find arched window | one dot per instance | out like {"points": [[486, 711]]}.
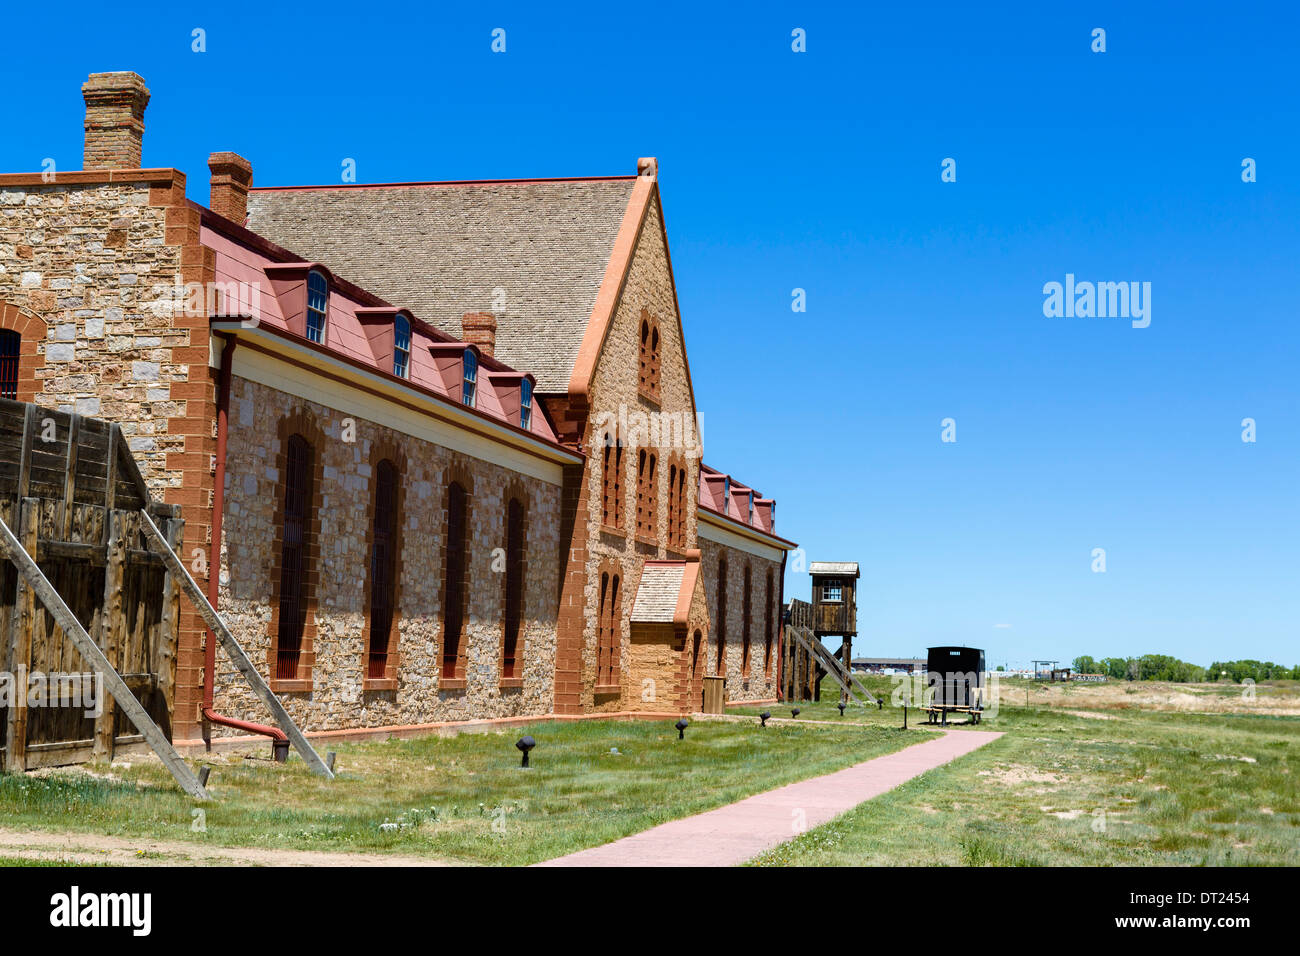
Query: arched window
{"points": [[318, 297], [646, 505], [607, 631], [677, 506], [767, 627], [746, 610], [648, 380], [10, 347], [611, 480], [469, 385], [514, 584], [401, 346], [525, 404], [453, 614], [383, 567], [295, 549], [721, 628]]}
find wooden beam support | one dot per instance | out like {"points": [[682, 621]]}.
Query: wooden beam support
{"points": [[31, 573], [20, 647], [232, 648], [164, 651], [111, 632], [70, 476]]}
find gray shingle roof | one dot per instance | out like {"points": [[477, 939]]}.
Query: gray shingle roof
{"points": [[656, 595], [833, 567], [442, 250]]}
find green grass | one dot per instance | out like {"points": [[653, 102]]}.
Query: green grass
{"points": [[1140, 788], [456, 798]]}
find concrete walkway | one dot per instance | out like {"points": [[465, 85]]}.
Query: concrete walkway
{"points": [[733, 834]]}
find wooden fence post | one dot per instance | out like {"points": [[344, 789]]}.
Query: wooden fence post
{"points": [[111, 633], [20, 649]]}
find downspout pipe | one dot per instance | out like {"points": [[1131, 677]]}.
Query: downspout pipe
{"points": [[279, 742]]}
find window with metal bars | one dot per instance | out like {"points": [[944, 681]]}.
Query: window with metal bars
{"points": [[294, 556], [514, 585], [10, 348], [721, 629], [401, 346], [746, 608], [607, 637], [318, 297], [767, 628], [383, 567], [611, 501], [453, 618]]}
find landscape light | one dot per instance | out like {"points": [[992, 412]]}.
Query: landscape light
{"points": [[204, 773], [794, 711], [764, 716], [525, 744], [841, 707], [681, 726]]}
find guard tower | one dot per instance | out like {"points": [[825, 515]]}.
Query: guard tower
{"points": [[835, 606]]}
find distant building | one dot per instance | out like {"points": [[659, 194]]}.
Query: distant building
{"points": [[889, 665]]}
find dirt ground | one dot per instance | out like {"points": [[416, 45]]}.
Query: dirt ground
{"points": [[93, 848], [1281, 699]]}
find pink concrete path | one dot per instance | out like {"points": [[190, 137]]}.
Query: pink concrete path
{"points": [[733, 834]]}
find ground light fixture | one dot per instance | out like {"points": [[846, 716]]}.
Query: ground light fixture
{"points": [[764, 717], [841, 707], [681, 725], [794, 711], [525, 744]]}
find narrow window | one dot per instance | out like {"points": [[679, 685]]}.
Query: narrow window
{"points": [[745, 626], [611, 505], [469, 386], [318, 296], [672, 506], [645, 494], [607, 631], [514, 587], [401, 345], [648, 380], [383, 567], [453, 616], [644, 370], [722, 617], [10, 346], [294, 550], [767, 628], [526, 405], [654, 362]]}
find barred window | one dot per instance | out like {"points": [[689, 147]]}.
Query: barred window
{"points": [[10, 348]]}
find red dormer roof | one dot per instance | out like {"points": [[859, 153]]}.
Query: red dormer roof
{"points": [[267, 282], [723, 495]]}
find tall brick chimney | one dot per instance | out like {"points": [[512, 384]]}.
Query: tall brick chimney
{"points": [[115, 105], [480, 328], [228, 191]]}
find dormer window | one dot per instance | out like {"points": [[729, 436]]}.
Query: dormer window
{"points": [[401, 346], [469, 383], [726, 494], [751, 509], [525, 404], [318, 296]]}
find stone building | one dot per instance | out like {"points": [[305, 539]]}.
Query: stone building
{"points": [[435, 443]]}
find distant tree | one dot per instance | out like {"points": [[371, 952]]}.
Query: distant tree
{"points": [[1115, 668], [1238, 671], [1086, 665], [1001, 667]]}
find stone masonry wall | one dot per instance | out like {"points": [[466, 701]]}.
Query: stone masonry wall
{"points": [[337, 699], [614, 386], [758, 685]]}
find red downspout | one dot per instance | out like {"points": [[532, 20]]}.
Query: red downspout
{"points": [[280, 741]]}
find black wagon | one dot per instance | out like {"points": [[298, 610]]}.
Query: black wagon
{"points": [[955, 678]]}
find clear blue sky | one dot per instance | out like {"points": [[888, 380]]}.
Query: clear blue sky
{"points": [[821, 171]]}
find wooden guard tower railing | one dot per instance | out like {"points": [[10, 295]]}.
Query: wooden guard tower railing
{"points": [[91, 557]]}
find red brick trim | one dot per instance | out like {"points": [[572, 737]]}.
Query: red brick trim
{"points": [[299, 422], [571, 623], [33, 331], [385, 447], [456, 473]]}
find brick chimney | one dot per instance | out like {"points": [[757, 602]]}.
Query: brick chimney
{"points": [[480, 328], [228, 193], [115, 105]]}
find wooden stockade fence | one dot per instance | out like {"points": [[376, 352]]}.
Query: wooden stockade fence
{"points": [[807, 661], [91, 558]]}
